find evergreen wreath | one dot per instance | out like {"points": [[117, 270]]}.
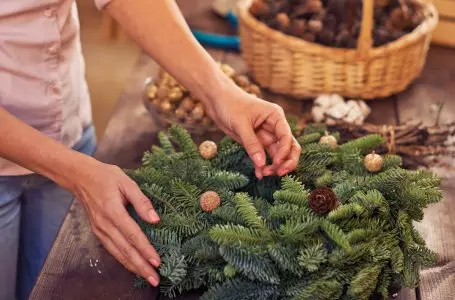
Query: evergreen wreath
{"points": [[267, 239]]}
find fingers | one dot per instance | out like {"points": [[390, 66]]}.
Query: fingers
{"points": [[251, 144], [133, 234], [131, 256], [141, 203], [285, 139]]}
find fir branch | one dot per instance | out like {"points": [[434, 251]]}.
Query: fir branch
{"points": [[252, 265], [291, 184], [240, 289], [391, 161], [285, 258], [336, 235], [298, 198], [248, 212], [295, 231], [173, 267], [309, 138], [322, 289], [365, 144], [238, 235], [346, 211], [384, 282], [186, 196], [397, 260], [228, 214], [224, 180], [364, 283], [166, 144], [312, 256], [325, 179], [183, 139]]}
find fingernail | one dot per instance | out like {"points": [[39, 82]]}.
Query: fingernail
{"points": [[282, 172], [153, 216], [259, 159], [258, 175], [153, 281], [155, 262]]}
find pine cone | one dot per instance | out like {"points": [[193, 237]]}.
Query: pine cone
{"points": [[323, 200]]}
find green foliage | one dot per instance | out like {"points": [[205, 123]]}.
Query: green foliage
{"points": [[264, 241]]}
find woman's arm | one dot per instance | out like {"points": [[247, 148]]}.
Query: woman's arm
{"points": [[159, 27], [104, 190]]}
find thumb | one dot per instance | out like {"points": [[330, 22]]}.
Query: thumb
{"points": [[252, 144], [141, 203]]}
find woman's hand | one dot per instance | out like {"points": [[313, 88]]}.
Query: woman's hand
{"points": [[257, 125], [104, 190]]}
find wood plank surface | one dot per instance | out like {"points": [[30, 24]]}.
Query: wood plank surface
{"points": [[79, 268]]}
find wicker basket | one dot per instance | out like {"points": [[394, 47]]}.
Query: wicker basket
{"points": [[292, 66]]}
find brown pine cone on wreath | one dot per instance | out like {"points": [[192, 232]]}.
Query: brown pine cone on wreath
{"points": [[322, 200]]}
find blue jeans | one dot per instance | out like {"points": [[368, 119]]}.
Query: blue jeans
{"points": [[32, 209]]}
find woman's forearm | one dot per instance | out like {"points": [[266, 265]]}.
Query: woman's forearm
{"points": [[31, 149], [160, 29]]}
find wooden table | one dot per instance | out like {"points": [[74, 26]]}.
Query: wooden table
{"points": [[79, 268]]}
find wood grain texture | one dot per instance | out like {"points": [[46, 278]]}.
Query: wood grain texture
{"points": [[70, 271]]}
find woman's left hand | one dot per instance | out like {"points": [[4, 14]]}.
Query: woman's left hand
{"points": [[259, 126]]}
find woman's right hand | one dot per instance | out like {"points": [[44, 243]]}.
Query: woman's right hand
{"points": [[105, 190]]}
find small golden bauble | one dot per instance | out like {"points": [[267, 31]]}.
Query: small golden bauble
{"points": [[180, 113], [175, 94], [242, 81], [228, 70], [166, 106], [208, 149], [187, 104], [163, 92], [198, 112], [373, 162], [151, 91], [209, 201], [168, 80], [156, 103], [329, 140]]}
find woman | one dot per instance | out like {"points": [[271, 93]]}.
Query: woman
{"points": [[46, 136]]}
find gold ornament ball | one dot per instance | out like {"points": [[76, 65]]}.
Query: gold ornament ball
{"points": [[175, 94], [166, 106], [151, 91], [180, 113], [373, 162], [208, 149], [209, 201], [163, 92], [187, 104], [329, 140], [156, 103], [198, 112]]}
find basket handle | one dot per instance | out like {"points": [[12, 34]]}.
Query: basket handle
{"points": [[365, 41]]}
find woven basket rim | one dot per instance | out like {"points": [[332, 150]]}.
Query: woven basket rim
{"points": [[300, 45]]}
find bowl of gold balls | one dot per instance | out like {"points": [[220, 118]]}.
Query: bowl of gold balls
{"points": [[174, 104], [356, 48]]}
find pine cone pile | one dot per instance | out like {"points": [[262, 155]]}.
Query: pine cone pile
{"points": [[336, 23], [176, 103]]}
